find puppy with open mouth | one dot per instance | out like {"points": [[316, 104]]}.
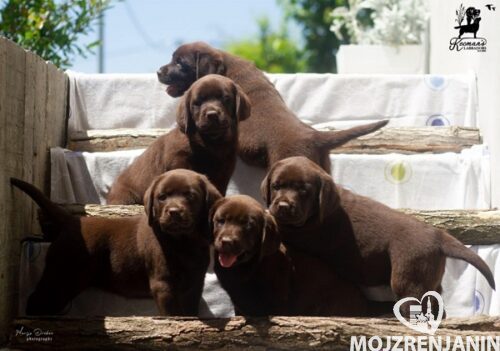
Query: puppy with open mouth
{"points": [[263, 277], [273, 131], [205, 140]]}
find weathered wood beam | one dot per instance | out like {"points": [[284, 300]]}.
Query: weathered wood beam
{"points": [[472, 227], [275, 333], [407, 140]]}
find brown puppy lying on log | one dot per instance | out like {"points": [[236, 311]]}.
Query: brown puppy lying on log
{"points": [[205, 140], [273, 132], [263, 278], [366, 241], [163, 253]]}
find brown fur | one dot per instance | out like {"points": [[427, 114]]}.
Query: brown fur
{"points": [[273, 132], [366, 241], [205, 141], [265, 278], [163, 253]]}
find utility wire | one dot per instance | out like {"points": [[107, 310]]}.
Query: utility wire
{"points": [[155, 45]]}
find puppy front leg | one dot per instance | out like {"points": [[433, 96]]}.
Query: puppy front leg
{"points": [[192, 297], [164, 297]]}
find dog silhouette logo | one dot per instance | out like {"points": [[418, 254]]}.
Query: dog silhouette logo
{"points": [[468, 21]]}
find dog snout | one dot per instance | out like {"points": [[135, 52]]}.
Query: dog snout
{"points": [[227, 244], [284, 207], [175, 212], [212, 115]]}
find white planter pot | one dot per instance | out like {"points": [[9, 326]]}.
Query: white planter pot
{"points": [[405, 59]]}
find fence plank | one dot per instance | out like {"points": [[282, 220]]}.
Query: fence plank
{"points": [[12, 76], [30, 122]]}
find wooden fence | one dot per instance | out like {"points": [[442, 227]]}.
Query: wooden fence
{"points": [[33, 105]]}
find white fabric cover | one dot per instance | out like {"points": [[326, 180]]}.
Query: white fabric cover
{"points": [[110, 101], [422, 181]]}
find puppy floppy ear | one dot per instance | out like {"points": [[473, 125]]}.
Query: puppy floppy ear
{"points": [[211, 193], [265, 189], [265, 186], [243, 105], [149, 199], [271, 239], [329, 199], [209, 64], [184, 116], [211, 214]]}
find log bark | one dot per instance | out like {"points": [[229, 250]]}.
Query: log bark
{"points": [[472, 227], [406, 140], [238, 333]]}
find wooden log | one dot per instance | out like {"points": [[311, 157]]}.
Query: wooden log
{"points": [[412, 140], [406, 140], [472, 227], [276, 333]]}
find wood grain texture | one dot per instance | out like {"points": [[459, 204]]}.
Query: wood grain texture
{"points": [[472, 227], [238, 333], [32, 109], [406, 140]]}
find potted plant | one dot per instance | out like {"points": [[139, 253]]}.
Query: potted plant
{"points": [[386, 36]]}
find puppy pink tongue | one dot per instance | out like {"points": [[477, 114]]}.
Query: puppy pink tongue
{"points": [[171, 90], [227, 260]]}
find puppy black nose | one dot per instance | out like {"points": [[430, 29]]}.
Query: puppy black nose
{"points": [[226, 242], [283, 206], [174, 212], [158, 73], [212, 114]]}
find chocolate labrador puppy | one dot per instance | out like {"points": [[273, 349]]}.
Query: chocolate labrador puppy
{"points": [[205, 140], [163, 253], [366, 241], [262, 277], [273, 132]]}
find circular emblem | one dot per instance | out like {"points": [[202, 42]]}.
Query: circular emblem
{"points": [[398, 172], [436, 82], [437, 121]]}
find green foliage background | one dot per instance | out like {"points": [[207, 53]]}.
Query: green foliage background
{"points": [[277, 52], [51, 28]]}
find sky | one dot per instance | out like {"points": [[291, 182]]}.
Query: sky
{"points": [[140, 36]]}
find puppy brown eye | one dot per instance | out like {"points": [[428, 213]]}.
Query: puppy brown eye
{"points": [[226, 98], [275, 186], [197, 102], [189, 195], [162, 197], [220, 221]]}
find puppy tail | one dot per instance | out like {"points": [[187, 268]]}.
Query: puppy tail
{"points": [[54, 212], [453, 248], [336, 138]]}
